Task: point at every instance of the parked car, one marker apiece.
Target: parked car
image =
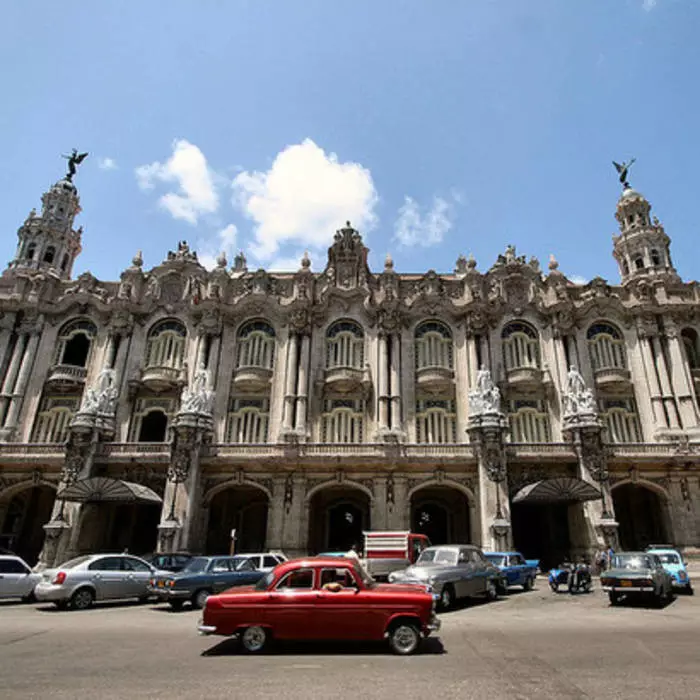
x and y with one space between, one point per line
264 562
169 561
673 562
322 598
95 577
393 550
453 572
202 577
16 578
516 569
634 575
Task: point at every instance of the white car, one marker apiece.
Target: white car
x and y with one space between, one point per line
266 561
16 578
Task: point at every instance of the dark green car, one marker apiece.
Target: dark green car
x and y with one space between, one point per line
637 575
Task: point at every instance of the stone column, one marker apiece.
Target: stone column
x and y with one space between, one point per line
461 378
276 514
680 377
472 359
303 386
399 508
291 382
6 325
222 378
395 383
379 507
133 364
383 384
11 377
653 383
294 523
22 379
666 391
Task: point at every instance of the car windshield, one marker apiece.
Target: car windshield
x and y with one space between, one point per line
668 558
496 559
194 566
437 556
74 562
264 583
632 561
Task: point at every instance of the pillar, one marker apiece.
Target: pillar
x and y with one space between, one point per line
11 375
666 391
303 385
653 383
291 382
383 384
395 383
22 379
681 383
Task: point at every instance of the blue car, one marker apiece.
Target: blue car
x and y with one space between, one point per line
518 570
672 561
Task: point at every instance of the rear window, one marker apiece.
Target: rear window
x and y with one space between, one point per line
196 565
12 566
71 563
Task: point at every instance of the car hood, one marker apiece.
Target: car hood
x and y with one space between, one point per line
628 573
400 588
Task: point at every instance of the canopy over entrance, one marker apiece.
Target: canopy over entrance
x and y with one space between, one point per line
558 490
100 489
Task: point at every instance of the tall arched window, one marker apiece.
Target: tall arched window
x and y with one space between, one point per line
166 345
433 346
528 421
619 415
606 347
31 250
256 345
521 348
49 255
248 420
690 343
655 257
151 419
345 345
54 418
343 421
74 343
436 421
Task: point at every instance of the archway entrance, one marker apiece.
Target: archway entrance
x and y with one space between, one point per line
22 518
119 527
547 519
240 508
640 513
338 515
442 514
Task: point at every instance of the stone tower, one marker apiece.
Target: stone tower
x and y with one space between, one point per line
48 242
642 249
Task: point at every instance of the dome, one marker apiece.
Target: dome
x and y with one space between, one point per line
64 185
629 193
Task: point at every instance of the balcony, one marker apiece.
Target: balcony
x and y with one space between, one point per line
524 378
252 379
33 453
66 376
612 378
142 451
435 380
158 378
343 379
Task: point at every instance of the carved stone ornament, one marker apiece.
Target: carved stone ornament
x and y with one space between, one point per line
579 402
199 398
390 496
289 490
180 460
101 397
486 398
77 454
494 462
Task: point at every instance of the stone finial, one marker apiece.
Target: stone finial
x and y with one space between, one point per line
534 263
461 265
471 262
553 264
137 260
305 261
388 263
221 260
239 263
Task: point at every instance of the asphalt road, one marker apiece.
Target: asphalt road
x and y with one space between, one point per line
528 645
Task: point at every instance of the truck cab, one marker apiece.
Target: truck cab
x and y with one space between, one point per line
391 550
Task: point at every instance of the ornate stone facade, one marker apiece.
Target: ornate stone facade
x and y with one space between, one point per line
506 407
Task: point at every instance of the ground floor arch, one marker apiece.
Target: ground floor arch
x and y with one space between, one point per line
442 513
22 517
641 514
241 508
338 515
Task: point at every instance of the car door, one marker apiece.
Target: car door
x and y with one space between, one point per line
138 574
515 570
107 577
291 606
269 562
463 577
220 575
341 607
15 578
245 573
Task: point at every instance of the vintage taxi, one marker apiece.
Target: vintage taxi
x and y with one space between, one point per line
637 575
322 598
673 562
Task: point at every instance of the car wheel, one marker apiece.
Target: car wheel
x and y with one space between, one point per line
447 598
176 605
199 599
254 639
404 638
491 591
614 598
689 590
82 599
658 599
527 586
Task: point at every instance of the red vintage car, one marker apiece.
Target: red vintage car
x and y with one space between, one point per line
322 598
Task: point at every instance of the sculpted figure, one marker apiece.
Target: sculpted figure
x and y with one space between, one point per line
198 399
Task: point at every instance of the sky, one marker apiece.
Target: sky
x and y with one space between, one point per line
436 127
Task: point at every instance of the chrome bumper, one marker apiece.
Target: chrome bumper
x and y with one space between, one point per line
205 629
434 624
628 589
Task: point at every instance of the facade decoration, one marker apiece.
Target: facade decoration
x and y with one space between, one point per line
319 404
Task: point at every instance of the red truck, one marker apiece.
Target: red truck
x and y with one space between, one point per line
390 550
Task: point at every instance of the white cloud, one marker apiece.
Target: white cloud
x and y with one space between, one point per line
224 241
107 164
187 167
290 263
415 227
578 279
305 196
648 5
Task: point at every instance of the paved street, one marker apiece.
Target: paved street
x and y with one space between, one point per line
534 644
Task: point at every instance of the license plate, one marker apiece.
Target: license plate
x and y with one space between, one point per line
160 584
626 584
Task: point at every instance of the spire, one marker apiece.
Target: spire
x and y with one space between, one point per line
48 241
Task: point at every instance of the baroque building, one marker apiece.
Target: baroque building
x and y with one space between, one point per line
507 407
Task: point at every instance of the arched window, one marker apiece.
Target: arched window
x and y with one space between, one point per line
54 418
248 420
345 345
655 257
256 345
49 255
619 415
606 347
154 426
528 421
639 263
436 421
690 343
625 267
166 345
342 421
31 250
74 343
521 348
64 262
433 345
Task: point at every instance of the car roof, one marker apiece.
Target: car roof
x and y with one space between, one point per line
333 562
669 550
452 546
503 554
632 554
10 556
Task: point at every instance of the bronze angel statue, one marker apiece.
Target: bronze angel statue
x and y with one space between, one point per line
74 159
623 170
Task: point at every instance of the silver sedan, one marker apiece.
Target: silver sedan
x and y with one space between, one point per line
93 577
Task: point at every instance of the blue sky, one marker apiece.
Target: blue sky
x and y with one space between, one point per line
437 127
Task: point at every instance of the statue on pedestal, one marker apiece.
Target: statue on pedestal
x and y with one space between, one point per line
199 398
578 399
101 397
486 398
